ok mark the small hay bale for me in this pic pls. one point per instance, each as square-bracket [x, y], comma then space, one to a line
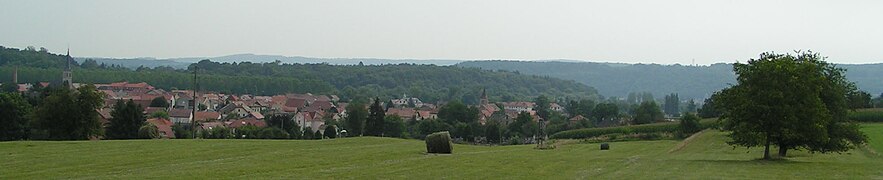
[605, 146]
[439, 143]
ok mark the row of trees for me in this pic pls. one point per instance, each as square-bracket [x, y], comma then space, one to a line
[51, 113]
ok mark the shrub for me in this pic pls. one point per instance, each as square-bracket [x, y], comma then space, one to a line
[331, 132]
[867, 115]
[439, 142]
[273, 133]
[148, 131]
[689, 124]
[669, 127]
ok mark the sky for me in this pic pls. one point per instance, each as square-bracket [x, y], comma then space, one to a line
[628, 31]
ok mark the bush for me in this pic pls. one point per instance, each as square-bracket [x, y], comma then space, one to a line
[439, 142]
[148, 131]
[689, 124]
[273, 133]
[331, 132]
[867, 115]
[669, 127]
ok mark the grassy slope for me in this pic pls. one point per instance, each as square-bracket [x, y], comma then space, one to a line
[707, 156]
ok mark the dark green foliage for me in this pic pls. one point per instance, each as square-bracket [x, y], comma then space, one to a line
[858, 100]
[672, 105]
[708, 109]
[147, 131]
[374, 123]
[307, 135]
[159, 102]
[13, 111]
[182, 132]
[8, 87]
[126, 119]
[867, 115]
[226, 133]
[272, 133]
[394, 127]
[542, 106]
[69, 115]
[284, 122]
[426, 127]
[689, 124]
[317, 135]
[330, 132]
[523, 126]
[691, 106]
[457, 112]
[605, 112]
[790, 101]
[635, 129]
[159, 114]
[355, 119]
[246, 132]
[493, 133]
[582, 107]
[439, 143]
[647, 112]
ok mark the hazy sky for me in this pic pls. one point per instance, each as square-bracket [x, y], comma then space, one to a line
[667, 32]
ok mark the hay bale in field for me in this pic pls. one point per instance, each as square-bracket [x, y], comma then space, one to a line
[605, 146]
[439, 142]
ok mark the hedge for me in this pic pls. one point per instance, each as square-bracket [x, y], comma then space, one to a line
[439, 142]
[867, 115]
[667, 127]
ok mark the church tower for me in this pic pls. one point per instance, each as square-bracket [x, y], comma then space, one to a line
[484, 100]
[66, 76]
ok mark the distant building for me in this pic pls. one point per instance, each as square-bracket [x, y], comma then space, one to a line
[66, 76]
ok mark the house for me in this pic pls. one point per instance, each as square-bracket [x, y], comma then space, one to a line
[556, 107]
[203, 116]
[211, 125]
[404, 113]
[577, 119]
[181, 116]
[164, 126]
[310, 120]
[245, 122]
[518, 106]
[236, 108]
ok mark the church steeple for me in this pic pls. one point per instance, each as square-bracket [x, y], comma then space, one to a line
[15, 75]
[484, 99]
[66, 75]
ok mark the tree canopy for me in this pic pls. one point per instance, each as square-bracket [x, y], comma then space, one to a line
[789, 101]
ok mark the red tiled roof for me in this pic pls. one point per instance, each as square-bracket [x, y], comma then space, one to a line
[205, 115]
[405, 113]
[298, 103]
[181, 113]
[164, 126]
[247, 121]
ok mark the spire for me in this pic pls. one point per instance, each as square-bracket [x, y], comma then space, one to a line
[68, 59]
[484, 99]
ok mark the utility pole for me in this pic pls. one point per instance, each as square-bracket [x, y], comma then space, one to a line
[193, 112]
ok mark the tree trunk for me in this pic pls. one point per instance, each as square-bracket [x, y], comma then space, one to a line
[782, 151]
[766, 149]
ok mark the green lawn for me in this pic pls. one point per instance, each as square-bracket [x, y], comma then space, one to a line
[704, 157]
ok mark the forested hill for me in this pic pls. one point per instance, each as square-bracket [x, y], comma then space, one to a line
[688, 81]
[429, 82]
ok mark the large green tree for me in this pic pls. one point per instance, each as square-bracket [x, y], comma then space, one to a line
[789, 101]
[355, 119]
[284, 122]
[69, 115]
[647, 112]
[672, 105]
[605, 112]
[13, 111]
[374, 123]
[126, 119]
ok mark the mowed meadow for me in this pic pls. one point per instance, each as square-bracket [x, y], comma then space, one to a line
[704, 156]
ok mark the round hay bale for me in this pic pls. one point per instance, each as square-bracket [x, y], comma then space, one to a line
[605, 146]
[439, 142]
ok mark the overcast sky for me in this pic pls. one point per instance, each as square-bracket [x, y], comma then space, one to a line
[666, 32]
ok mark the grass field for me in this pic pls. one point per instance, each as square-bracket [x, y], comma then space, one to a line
[705, 156]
